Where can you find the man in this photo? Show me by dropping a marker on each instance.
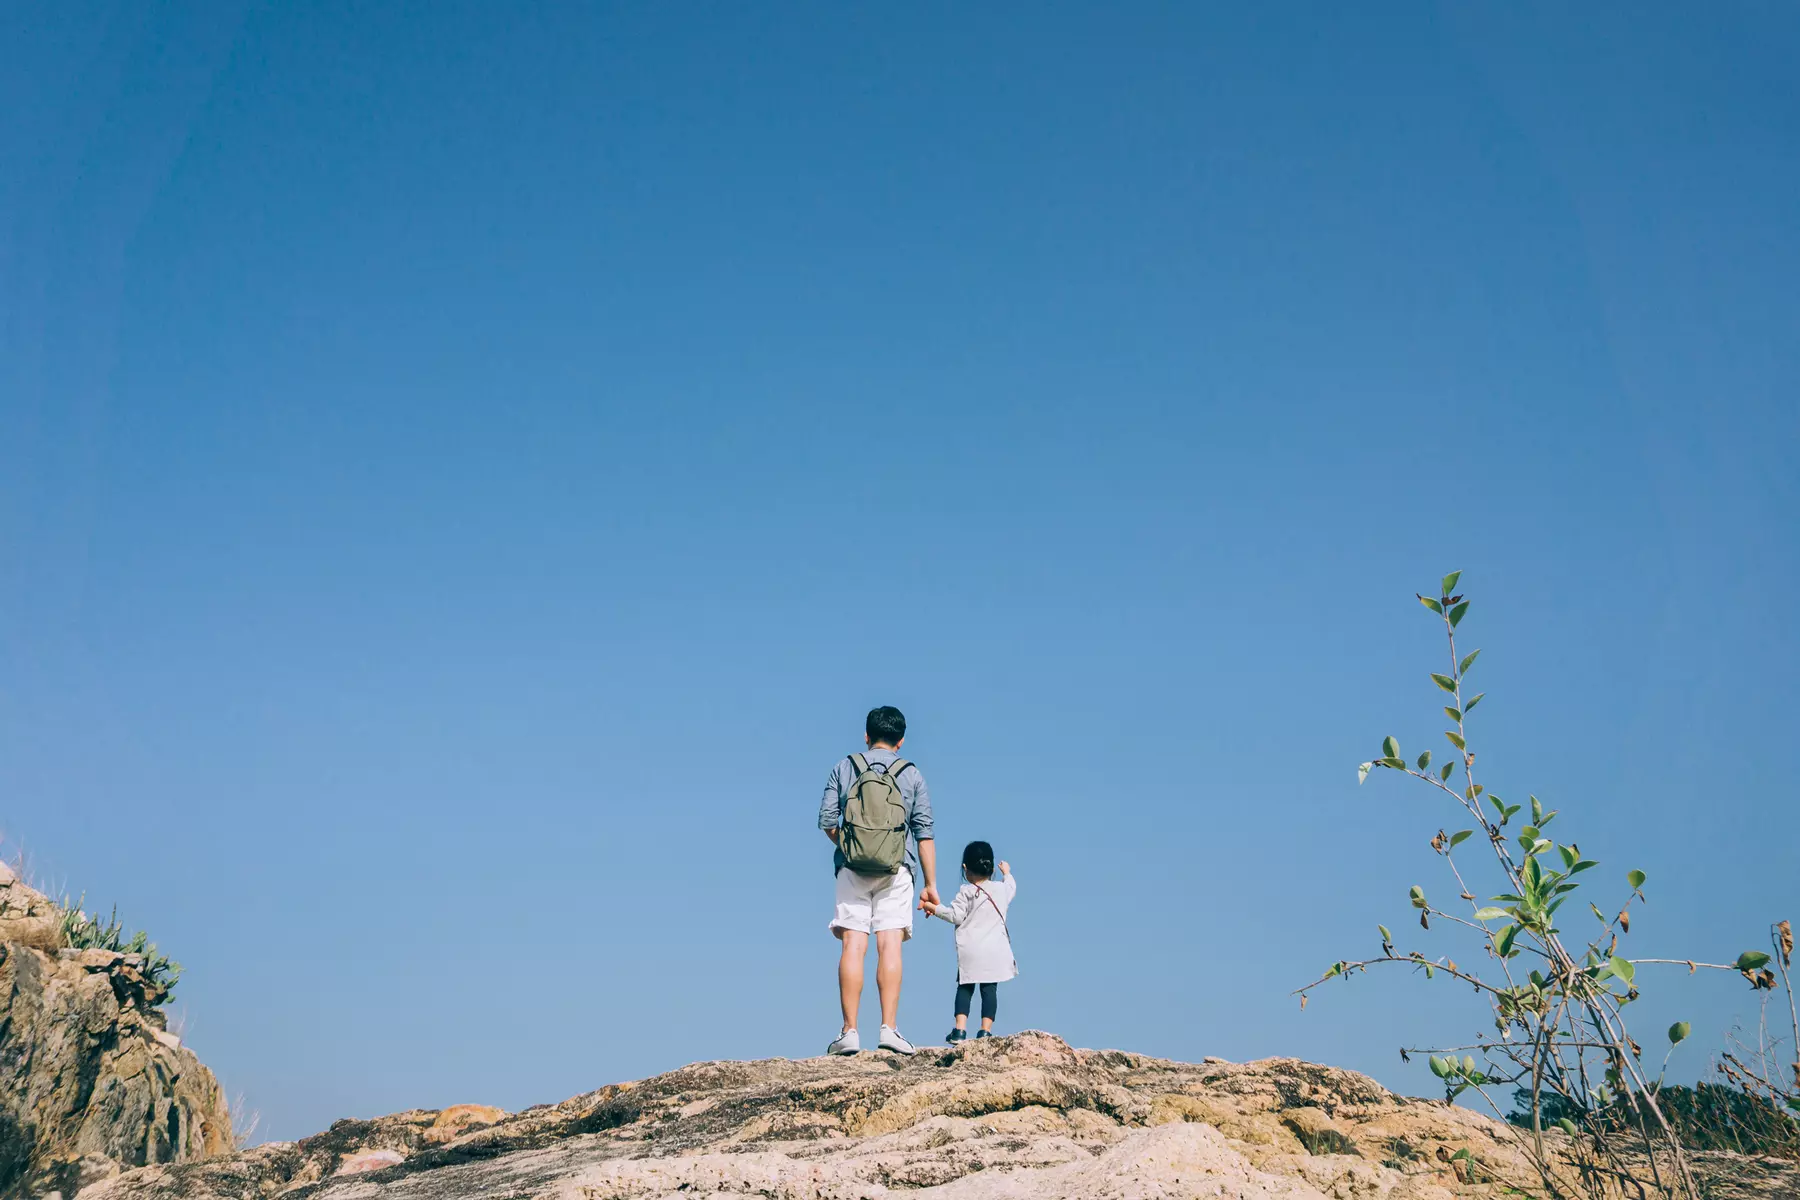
(876, 884)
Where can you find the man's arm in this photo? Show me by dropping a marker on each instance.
(928, 864)
(831, 805)
(920, 821)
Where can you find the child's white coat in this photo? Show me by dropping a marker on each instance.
(983, 950)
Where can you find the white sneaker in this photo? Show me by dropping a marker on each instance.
(891, 1040)
(847, 1042)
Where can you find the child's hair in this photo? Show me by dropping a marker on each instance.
(978, 859)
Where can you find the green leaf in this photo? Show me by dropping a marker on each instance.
(1468, 1064)
(1450, 582)
(1568, 857)
(1433, 605)
(1456, 739)
(1528, 834)
(1507, 813)
(1537, 811)
(1417, 895)
(1396, 764)
(1583, 865)
(1444, 681)
(1489, 914)
(1386, 937)
(1362, 771)
(1445, 773)
(1598, 915)
(1424, 760)
(1456, 614)
(1468, 662)
(1506, 940)
(1452, 714)
(1752, 960)
(1567, 1126)
(1439, 1066)
(1635, 879)
(1460, 836)
(1499, 807)
(1390, 748)
(1622, 968)
(1678, 1033)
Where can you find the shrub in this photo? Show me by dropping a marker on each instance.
(85, 932)
(1558, 1006)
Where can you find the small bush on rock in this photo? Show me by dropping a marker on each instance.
(85, 932)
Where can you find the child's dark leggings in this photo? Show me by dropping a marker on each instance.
(990, 999)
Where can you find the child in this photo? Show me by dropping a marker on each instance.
(984, 953)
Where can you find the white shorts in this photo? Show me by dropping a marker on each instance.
(872, 903)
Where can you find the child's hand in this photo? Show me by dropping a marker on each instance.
(1005, 867)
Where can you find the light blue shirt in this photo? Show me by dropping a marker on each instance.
(912, 792)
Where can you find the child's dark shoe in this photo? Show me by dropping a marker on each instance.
(957, 1035)
(982, 1034)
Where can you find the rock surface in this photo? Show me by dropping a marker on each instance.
(91, 1080)
(1024, 1116)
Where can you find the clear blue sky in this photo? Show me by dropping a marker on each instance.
(465, 471)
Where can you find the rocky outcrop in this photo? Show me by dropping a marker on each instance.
(27, 916)
(1024, 1116)
(91, 1080)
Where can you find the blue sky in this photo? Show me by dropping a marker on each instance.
(465, 471)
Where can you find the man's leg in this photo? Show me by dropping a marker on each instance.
(887, 973)
(850, 973)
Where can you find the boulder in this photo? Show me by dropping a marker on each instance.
(91, 1082)
(27, 916)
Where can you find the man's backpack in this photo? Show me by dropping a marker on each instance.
(873, 834)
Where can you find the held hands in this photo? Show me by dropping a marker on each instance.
(928, 899)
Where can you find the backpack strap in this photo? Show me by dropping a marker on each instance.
(859, 764)
(895, 767)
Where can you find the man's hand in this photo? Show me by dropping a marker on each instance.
(928, 899)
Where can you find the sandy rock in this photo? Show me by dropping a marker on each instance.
(459, 1119)
(1024, 1117)
(28, 917)
(369, 1160)
(89, 1081)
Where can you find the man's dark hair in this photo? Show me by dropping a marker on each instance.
(886, 725)
(978, 859)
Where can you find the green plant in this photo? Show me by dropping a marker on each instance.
(1559, 1011)
(85, 932)
(1708, 1116)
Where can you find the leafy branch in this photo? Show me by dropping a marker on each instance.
(1558, 1007)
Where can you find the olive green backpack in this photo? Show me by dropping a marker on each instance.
(873, 835)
